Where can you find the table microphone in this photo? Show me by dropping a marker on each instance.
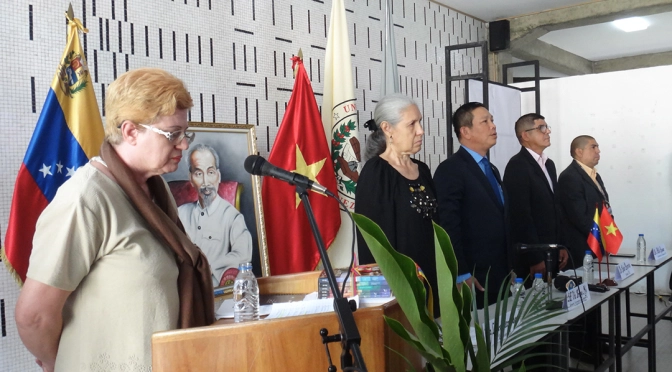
(258, 166)
(522, 247)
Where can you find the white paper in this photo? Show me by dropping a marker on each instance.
(574, 299)
(372, 301)
(658, 252)
(285, 309)
(624, 270)
(225, 310)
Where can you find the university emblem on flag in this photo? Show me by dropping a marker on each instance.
(345, 151)
(73, 75)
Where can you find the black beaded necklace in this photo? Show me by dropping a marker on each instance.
(421, 201)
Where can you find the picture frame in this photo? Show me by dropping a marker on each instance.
(233, 144)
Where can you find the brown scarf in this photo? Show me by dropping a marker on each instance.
(194, 282)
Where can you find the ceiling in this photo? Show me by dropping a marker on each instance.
(604, 41)
(596, 42)
(492, 10)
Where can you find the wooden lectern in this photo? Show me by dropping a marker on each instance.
(286, 344)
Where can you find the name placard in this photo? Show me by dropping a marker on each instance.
(624, 270)
(658, 252)
(574, 296)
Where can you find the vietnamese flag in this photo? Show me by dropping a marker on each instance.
(68, 133)
(611, 235)
(301, 147)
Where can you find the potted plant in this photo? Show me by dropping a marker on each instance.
(449, 346)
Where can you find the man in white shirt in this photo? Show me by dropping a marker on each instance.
(530, 179)
(212, 223)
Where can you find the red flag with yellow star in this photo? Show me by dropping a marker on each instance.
(301, 147)
(611, 235)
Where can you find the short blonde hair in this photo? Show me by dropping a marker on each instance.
(143, 96)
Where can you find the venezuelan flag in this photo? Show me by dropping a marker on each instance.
(595, 238)
(68, 133)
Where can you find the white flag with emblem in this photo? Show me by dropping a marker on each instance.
(339, 117)
(339, 107)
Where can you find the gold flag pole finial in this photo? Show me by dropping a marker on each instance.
(295, 66)
(70, 15)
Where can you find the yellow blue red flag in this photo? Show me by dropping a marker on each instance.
(68, 133)
(595, 238)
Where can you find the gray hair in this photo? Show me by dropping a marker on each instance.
(388, 109)
(201, 147)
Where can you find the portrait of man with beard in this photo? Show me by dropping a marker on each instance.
(212, 223)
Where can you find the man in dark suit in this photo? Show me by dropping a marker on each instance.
(471, 203)
(530, 180)
(580, 190)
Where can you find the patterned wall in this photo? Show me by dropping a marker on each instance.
(233, 56)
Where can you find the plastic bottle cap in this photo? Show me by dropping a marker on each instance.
(589, 252)
(641, 234)
(537, 275)
(519, 280)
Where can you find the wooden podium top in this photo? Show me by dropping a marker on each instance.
(285, 344)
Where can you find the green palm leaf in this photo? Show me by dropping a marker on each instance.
(498, 343)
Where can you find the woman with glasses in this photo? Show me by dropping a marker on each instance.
(395, 190)
(110, 263)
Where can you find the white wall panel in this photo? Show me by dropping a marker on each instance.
(505, 107)
(627, 113)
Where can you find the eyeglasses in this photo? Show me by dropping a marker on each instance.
(542, 128)
(174, 137)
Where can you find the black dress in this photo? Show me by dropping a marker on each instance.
(405, 216)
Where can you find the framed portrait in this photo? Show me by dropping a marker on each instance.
(218, 202)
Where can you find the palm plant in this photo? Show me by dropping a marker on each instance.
(449, 347)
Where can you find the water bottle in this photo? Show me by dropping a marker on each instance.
(538, 285)
(588, 267)
(519, 289)
(245, 295)
(641, 248)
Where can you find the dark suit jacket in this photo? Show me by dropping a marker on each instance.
(474, 219)
(531, 207)
(577, 196)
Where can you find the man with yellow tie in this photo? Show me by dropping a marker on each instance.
(580, 190)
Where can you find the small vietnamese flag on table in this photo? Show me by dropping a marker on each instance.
(611, 235)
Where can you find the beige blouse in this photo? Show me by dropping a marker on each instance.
(90, 240)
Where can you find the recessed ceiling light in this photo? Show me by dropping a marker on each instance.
(631, 24)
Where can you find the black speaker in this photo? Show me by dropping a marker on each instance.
(499, 35)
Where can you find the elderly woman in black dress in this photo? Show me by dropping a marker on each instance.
(395, 190)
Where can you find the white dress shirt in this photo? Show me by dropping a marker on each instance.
(220, 231)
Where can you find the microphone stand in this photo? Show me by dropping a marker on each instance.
(349, 334)
(546, 248)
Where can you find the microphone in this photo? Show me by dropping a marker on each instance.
(258, 166)
(537, 247)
